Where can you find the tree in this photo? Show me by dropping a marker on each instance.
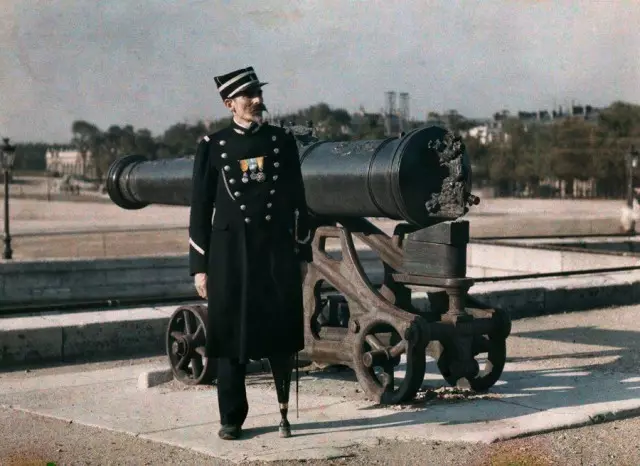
(621, 119)
(574, 150)
(146, 144)
(317, 113)
(182, 139)
(480, 158)
(32, 156)
(85, 139)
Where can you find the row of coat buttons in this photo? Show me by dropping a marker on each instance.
(238, 193)
(244, 207)
(227, 168)
(266, 217)
(233, 180)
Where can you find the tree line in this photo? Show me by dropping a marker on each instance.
(522, 153)
(569, 150)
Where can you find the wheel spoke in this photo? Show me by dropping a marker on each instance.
(196, 367)
(184, 361)
(177, 335)
(186, 315)
(374, 343)
(198, 333)
(398, 349)
(201, 351)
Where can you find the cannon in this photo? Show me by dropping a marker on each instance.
(421, 179)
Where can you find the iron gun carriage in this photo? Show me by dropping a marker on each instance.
(423, 181)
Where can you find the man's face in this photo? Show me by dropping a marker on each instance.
(247, 105)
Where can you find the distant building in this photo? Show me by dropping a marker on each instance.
(67, 161)
(490, 131)
(587, 112)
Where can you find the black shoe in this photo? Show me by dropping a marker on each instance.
(284, 429)
(229, 432)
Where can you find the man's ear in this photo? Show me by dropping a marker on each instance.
(229, 104)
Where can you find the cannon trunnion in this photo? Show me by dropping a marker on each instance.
(371, 326)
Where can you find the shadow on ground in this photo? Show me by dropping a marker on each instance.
(583, 380)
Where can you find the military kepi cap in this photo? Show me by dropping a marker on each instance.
(230, 84)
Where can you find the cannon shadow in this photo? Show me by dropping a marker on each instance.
(564, 383)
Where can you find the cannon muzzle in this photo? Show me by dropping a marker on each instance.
(133, 182)
(422, 178)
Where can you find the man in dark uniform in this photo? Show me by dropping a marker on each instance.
(250, 255)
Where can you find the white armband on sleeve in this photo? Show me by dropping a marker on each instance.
(196, 247)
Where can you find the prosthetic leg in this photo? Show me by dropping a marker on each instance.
(281, 368)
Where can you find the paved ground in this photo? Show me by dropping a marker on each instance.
(37, 216)
(563, 370)
(60, 223)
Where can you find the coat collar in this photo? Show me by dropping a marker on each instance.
(253, 128)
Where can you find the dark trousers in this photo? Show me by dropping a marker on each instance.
(232, 392)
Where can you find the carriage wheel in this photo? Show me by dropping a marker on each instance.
(492, 348)
(186, 338)
(378, 353)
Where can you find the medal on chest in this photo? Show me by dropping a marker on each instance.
(252, 169)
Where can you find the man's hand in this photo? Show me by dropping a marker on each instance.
(200, 280)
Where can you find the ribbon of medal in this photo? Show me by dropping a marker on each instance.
(252, 169)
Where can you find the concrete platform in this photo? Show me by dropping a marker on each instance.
(563, 371)
(69, 336)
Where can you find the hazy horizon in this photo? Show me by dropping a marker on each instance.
(151, 64)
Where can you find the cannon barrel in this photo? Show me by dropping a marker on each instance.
(423, 178)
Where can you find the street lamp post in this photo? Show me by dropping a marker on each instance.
(8, 159)
(632, 164)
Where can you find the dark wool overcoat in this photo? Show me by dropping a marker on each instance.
(249, 231)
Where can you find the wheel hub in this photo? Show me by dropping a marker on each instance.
(181, 346)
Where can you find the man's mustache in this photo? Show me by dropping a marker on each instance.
(259, 107)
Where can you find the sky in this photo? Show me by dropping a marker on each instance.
(151, 63)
